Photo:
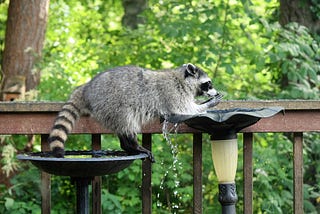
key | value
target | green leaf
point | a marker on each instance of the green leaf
(8, 203)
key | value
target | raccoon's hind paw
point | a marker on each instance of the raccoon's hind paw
(140, 149)
(58, 152)
(129, 143)
(151, 157)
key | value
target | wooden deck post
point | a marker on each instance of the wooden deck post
(146, 177)
(197, 173)
(298, 172)
(45, 181)
(247, 173)
(96, 182)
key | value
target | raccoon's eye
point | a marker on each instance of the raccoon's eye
(206, 86)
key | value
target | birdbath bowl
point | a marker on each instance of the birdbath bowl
(223, 126)
(82, 163)
(82, 166)
(226, 122)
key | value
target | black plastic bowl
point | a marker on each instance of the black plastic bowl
(224, 124)
(82, 163)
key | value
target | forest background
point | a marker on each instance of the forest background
(251, 50)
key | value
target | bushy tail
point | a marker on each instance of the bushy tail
(65, 122)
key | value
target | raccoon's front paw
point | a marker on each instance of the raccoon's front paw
(58, 152)
(214, 100)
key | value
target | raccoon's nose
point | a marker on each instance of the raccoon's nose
(212, 92)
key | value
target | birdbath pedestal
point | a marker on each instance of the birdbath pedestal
(223, 126)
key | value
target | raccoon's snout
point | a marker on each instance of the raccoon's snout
(212, 93)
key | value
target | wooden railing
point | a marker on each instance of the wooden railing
(300, 116)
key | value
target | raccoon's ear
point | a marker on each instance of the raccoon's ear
(190, 69)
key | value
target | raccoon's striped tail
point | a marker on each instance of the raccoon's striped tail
(64, 124)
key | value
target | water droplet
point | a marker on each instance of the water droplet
(168, 130)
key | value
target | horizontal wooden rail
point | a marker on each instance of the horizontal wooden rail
(299, 116)
(37, 118)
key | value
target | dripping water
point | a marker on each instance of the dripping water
(167, 131)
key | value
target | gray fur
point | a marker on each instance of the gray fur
(124, 99)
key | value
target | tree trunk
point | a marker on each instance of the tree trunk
(299, 11)
(24, 39)
(132, 9)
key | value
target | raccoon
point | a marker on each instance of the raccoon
(124, 99)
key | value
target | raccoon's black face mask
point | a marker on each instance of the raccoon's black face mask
(205, 87)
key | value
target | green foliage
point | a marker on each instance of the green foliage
(242, 47)
(234, 41)
(75, 45)
(292, 55)
(23, 196)
(312, 172)
(214, 36)
(3, 18)
(111, 203)
(273, 159)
